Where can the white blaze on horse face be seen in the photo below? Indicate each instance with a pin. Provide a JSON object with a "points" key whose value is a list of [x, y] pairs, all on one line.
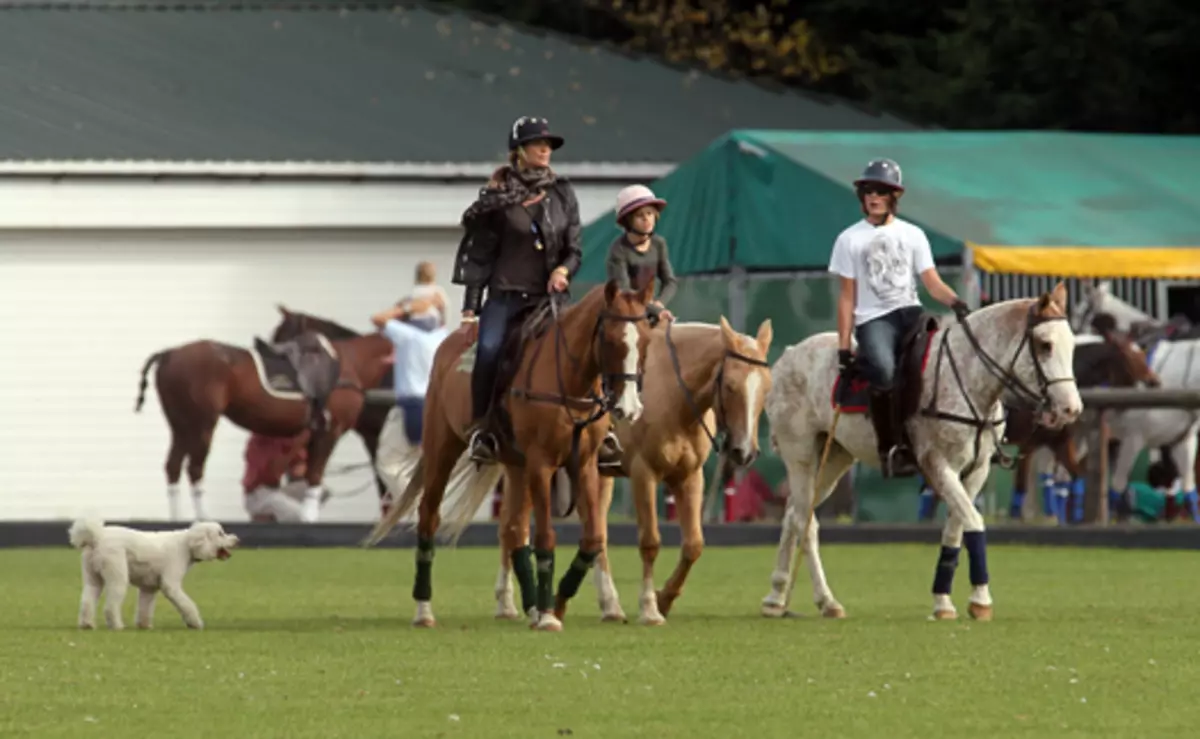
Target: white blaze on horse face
{"points": [[630, 403], [1065, 403], [754, 391]]}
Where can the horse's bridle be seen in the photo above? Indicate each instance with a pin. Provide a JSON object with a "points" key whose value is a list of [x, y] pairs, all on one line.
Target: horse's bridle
{"points": [[1037, 400], [718, 394], [600, 404]]}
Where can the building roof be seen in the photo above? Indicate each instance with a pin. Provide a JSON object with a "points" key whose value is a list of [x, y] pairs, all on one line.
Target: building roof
{"points": [[401, 82]]}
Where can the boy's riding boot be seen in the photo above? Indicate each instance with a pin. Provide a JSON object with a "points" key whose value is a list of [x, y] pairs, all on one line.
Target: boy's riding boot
{"points": [[611, 454], [895, 460]]}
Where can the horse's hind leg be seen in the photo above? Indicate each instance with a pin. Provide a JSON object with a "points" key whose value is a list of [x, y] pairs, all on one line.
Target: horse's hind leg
{"points": [[197, 456], [802, 486], [174, 469], [515, 552], [441, 454], [606, 590]]}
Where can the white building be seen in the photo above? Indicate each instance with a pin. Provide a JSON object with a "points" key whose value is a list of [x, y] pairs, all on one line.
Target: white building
{"points": [[103, 265]]}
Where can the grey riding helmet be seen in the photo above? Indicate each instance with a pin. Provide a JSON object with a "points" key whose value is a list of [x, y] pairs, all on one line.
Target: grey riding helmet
{"points": [[884, 172]]}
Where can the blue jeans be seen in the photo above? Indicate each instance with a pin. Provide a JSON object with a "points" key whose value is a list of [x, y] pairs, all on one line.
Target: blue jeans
{"points": [[495, 320], [414, 417], [879, 343]]}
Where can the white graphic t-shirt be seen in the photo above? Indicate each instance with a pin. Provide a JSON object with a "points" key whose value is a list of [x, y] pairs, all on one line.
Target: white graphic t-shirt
{"points": [[884, 262]]}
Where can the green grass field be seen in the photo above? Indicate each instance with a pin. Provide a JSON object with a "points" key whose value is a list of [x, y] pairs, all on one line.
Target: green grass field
{"points": [[316, 643]]}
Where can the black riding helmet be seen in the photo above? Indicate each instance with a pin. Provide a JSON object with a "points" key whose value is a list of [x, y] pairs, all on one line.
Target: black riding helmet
{"points": [[526, 129]]}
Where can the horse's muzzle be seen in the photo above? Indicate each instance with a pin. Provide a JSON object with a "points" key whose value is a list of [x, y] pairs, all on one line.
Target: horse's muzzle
{"points": [[742, 457]]}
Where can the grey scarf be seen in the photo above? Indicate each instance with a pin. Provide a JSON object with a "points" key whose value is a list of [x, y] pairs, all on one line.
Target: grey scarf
{"points": [[514, 187]]}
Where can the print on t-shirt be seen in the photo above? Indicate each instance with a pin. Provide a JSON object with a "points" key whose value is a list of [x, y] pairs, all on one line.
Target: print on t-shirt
{"points": [[889, 267]]}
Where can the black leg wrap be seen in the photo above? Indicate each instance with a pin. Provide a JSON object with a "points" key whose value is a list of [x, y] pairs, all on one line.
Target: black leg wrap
{"points": [[423, 587], [522, 565], [545, 580], [571, 580]]}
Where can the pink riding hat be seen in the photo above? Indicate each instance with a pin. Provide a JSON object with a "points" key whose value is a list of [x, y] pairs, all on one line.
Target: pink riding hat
{"points": [[635, 196]]}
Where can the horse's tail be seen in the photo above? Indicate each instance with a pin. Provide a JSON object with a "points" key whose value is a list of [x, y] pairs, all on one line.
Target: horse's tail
{"points": [[475, 487], [141, 398], [402, 507]]}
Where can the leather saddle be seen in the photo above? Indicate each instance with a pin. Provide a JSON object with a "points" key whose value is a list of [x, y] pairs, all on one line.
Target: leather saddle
{"points": [[905, 396], [315, 367]]}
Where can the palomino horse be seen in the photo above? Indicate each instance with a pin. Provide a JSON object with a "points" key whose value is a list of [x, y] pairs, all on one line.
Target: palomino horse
{"points": [[372, 417], [699, 376], [197, 383], [1114, 361], [1020, 347], [597, 341]]}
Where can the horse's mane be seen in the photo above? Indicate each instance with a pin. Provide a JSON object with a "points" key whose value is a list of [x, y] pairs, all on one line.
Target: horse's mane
{"points": [[328, 325]]}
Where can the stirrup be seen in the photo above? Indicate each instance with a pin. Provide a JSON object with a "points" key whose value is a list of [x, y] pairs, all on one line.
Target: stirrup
{"points": [[483, 447], [899, 462]]}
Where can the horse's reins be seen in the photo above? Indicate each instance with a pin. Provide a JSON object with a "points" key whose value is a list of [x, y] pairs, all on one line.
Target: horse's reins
{"points": [[1039, 398], [718, 402], [598, 404]]}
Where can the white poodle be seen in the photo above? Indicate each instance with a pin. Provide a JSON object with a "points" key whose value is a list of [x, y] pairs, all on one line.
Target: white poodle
{"points": [[115, 557]]}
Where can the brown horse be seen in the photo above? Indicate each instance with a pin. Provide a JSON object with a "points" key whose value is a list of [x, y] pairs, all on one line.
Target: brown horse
{"points": [[567, 375], [702, 380], [1117, 361], [373, 415], [199, 382]]}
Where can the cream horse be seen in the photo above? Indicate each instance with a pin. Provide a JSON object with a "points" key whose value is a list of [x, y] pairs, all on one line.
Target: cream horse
{"points": [[1024, 347], [701, 380]]}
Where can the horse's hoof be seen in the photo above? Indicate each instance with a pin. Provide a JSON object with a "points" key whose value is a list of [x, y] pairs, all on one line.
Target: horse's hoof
{"points": [[979, 612], [615, 616], [548, 622], [664, 602], [833, 611], [944, 614], [654, 619], [425, 622], [774, 610], [506, 614]]}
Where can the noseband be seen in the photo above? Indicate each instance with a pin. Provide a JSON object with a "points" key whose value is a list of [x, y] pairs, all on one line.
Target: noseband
{"points": [[718, 392]]}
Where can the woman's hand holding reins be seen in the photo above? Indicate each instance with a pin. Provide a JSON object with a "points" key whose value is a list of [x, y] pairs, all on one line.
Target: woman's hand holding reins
{"points": [[558, 281]]}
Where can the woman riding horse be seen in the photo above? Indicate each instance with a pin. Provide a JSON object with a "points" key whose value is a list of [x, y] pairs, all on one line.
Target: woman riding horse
{"points": [[522, 243]]}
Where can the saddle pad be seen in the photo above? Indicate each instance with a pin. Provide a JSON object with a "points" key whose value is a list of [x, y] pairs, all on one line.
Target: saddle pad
{"points": [[277, 375], [857, 400]]}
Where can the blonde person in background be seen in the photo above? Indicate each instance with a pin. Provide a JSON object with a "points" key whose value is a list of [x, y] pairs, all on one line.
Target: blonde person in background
{"points": [[409, 328], [426, 288]]}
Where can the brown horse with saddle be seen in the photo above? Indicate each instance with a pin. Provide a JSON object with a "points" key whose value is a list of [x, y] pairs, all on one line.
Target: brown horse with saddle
{"points": [[278, 389]]}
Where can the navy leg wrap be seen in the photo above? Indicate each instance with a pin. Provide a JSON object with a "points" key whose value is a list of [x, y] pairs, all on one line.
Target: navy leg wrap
{"points": [[976, 544], [943, 577], [1017, 507], [1077, 492]]}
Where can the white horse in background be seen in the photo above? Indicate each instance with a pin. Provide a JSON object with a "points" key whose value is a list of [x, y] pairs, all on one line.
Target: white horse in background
{"points": [[1099, 299], [1177, 364], [1020, 348]]}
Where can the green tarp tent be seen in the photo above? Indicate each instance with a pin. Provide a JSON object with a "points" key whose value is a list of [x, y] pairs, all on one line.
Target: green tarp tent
{"points": [[743, 202], [1068, 204]]}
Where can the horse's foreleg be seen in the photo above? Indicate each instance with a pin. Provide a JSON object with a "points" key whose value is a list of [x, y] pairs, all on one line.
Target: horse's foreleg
{"points": [[515, 553], [606, 590], [689, 499], [1068, 454], [1016, 507], [1118, 498], [963, 527], [537, 480], [320, 447], [595, 536], [643, 483]]}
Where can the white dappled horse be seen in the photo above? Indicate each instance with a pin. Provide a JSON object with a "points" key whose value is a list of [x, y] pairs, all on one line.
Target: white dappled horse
{"points": [[1018, 350]]}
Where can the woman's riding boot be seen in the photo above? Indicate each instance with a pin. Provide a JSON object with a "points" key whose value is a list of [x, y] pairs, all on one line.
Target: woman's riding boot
{"points": [[895, 460], [611, 453]]}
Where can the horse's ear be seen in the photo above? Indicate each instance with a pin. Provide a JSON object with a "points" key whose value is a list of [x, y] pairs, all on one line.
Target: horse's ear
{"points": [[765, 334], [727, 333], [1059, 295], [646, 294], [611, 288], [283, 311]]}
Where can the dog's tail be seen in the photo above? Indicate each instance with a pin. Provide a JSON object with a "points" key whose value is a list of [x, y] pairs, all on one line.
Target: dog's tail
{"points": [[85, 532]]}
